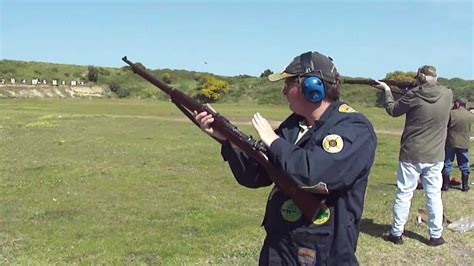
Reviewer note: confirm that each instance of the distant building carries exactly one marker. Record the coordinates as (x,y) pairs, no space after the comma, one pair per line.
(73,83)
(2,81)
(63,82)
(12,81)
(54,82)
(34,81)
(45,82)
(23,81)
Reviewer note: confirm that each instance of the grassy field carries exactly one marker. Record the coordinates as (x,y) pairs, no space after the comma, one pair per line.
(132,182)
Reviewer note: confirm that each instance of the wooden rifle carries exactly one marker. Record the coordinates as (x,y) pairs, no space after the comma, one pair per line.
(308,203)
(397,86)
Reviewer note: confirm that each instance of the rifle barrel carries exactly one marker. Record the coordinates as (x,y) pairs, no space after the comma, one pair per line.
(361,81)
(402,86)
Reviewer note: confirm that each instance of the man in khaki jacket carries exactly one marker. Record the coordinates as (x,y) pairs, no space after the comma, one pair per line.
(426,108)
(457,143)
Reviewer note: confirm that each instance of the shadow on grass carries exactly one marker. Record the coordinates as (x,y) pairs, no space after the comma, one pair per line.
(367,226)
(459,187)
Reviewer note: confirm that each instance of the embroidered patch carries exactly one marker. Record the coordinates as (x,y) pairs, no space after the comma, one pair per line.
(306,256)
(290,212)
(333,143)
(321,188)
(344,108)
(322,216)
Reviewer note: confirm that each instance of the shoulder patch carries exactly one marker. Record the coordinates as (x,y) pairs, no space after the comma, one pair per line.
(333,143)
(344,108)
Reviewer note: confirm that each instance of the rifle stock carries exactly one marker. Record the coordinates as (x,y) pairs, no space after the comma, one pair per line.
(401,86)
(308,203)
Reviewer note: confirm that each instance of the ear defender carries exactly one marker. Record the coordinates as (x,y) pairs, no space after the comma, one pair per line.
(313,89)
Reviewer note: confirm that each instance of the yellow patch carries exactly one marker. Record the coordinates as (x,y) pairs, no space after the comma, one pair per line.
(333,143)
(344,108)
(322,216)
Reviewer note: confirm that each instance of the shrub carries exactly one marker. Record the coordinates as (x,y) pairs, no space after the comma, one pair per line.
(211,88)
(93,74)
(401,75)
(266,73)
(116,88)
(167,78)
(123,93)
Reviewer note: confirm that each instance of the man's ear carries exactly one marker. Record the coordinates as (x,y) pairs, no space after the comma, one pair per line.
(422,77)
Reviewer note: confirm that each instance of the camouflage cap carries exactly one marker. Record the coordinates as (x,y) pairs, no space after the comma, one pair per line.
(427,70)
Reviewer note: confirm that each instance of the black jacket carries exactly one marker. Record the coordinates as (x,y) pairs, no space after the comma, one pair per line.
(335,156)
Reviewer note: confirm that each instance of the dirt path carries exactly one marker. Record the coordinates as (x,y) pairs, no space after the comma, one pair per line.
(274,123)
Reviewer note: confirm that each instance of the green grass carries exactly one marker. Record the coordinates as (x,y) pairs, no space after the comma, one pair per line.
(132,182)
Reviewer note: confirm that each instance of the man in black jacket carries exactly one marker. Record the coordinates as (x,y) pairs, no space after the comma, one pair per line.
(325,147)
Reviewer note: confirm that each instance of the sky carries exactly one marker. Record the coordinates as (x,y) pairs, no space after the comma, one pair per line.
(365,38)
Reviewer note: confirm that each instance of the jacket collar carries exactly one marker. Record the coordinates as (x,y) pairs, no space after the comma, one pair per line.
(319,123)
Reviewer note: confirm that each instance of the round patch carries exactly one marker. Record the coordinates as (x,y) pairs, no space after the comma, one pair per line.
(290,212)
(333,143)
(322,216)
(344,108)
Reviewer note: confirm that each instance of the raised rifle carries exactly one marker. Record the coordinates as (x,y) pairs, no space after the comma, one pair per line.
(397,86)
(308,203)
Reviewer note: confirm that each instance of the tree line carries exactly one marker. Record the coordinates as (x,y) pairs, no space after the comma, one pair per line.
(205,87)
